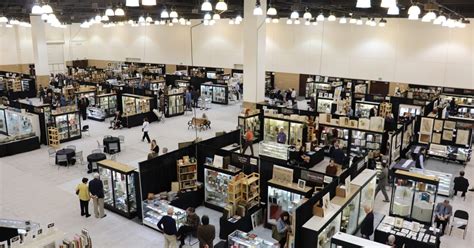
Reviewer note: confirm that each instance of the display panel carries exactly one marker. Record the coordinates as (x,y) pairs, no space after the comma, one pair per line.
(74,125)
(349,215)
(219,94)
(239,239)
(280,200)
(272,127)
(367,198)
(18,124)
(216,187)
(155,209)
(324,105)
(106,177)
(324,238)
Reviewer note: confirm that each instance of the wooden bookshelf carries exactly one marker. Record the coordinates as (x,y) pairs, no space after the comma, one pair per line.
(251,190)
(53,137)
(187,174)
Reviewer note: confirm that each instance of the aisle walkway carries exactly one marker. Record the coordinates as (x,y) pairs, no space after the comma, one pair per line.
(31,189)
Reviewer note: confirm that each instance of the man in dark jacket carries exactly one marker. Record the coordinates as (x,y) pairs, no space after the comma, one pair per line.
(367,226)
(191,225)
(96,188)
(338,155)
(461,184)
(206,233)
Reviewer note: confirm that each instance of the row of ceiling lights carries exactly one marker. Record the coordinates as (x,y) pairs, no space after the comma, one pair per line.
(414,12)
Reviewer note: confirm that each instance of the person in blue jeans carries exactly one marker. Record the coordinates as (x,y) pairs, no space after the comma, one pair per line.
(443,212)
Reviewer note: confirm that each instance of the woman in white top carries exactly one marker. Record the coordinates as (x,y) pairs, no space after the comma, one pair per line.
(145,128)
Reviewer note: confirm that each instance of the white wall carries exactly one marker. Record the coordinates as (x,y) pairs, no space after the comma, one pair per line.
(403,51)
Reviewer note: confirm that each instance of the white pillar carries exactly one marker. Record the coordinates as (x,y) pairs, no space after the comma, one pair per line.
(254,52)
(40,48)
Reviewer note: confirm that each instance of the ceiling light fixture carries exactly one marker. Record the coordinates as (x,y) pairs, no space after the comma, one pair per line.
(430,15)
(104,18)
(295,15)
(425,18)
(212,22)
(182,21)
(268,20)
(307,15)
(175,20)
(343,20)
(238,19)
(207,16)
(205,22)
(414,10)
(36,10)
(359,22)
(164,14)
(173,14)
(275,20)
(188,23)
(439,20)
(119,12)
(363,4)
(47,9)
(162,22)
(271,11)
(3,19)
(393,10)
(320,17)
(332,18)
(97,19)
(148,19)
(216,17)
(132,3)
(257,11)
(221,5)
(307,23)
(206,6)
(109,12)
(44,17)
(289,22)
(157,22)
(141,19)
(353,21)
(387,3)
(231,22)
(148,2)
(315,23)
(297,22)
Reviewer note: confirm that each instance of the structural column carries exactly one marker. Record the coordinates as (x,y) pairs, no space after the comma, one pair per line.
(254,53)
(40,50)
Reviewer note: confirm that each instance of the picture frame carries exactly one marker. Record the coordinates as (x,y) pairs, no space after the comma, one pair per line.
(426,126)
(364,123)
(449,125)
(438,125)
(462,137)
(377,123)
(448,135)
(301,184)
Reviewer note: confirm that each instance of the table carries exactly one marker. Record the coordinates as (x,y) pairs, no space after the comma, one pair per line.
(70,153)
(92,160)
(382,236)
(111,140)
(404,164)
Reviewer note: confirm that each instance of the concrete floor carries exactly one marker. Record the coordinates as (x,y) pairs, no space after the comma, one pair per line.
(31,189)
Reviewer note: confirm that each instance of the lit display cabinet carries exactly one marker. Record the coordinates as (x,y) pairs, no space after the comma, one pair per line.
(294,130)
(155,209)
(414,196)
(88,93)
(218,93)
(367,181)
(174,104)
(216,182)
(206,90)
(135,104)
(120,187)
(363,108)
(312,88)
(108,102)
(68,124)
(3,122)
(273,150)
(252,122)
(284,197)
(239,239)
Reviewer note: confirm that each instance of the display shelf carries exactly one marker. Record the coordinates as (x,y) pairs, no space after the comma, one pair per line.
(187,173)
(53,137)
(446,183)
(283,197)
(135,105)
(251,122)
(68,125)
(295,130)
(273,150)
(216,184)
(251,190)
(108,102)
(239,239)
(413,196)
(154,209)
(218,93)
(363,108)
(174,102)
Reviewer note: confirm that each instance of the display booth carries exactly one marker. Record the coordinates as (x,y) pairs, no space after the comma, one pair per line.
(218,93)
(135,108)
(68,122)
(21,130)
(88,92)
(174,102)
(107,102)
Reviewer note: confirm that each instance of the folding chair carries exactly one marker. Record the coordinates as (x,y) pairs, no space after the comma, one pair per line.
(52,154)
(71,147)
(62,159)
(79,156)
(460,221)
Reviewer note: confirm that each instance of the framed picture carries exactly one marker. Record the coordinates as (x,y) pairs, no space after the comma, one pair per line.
(462,137)
(209,160)
(343,121)
(426,126)
(364,123)
(424,138)
(438,125)
(354,123)
(377,123)
(449,125)
(301,184)
(436,138)
(447,134)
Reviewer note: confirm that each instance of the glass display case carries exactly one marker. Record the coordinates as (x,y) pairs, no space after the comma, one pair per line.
(156,85)
(294,131)
(363,109)
(206,90)
(445,180)
(330,134)
(312,88)
(412,109)
(273,150)
(154,209)
(365,141)
(17,123)
(120,187)
(181,84)
(281,199)
(413,196)
(89,94)
(216,184)
(108,102)
(135,104)
(324,237)
(324,105)
(220,94)
(350,214)
(367,196)
(239,239)
(174,104)
(252,122)
(68,125)
(3,122)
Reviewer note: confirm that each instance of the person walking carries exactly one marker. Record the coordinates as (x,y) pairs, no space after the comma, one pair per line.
(367,226)
(145,128)
(82,191)
(248,141)
(168,226)
(206,233)
(383,181)
(96,189)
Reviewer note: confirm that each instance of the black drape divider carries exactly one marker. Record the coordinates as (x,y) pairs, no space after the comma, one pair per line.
(207,151)
(303,236)
(157,174)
